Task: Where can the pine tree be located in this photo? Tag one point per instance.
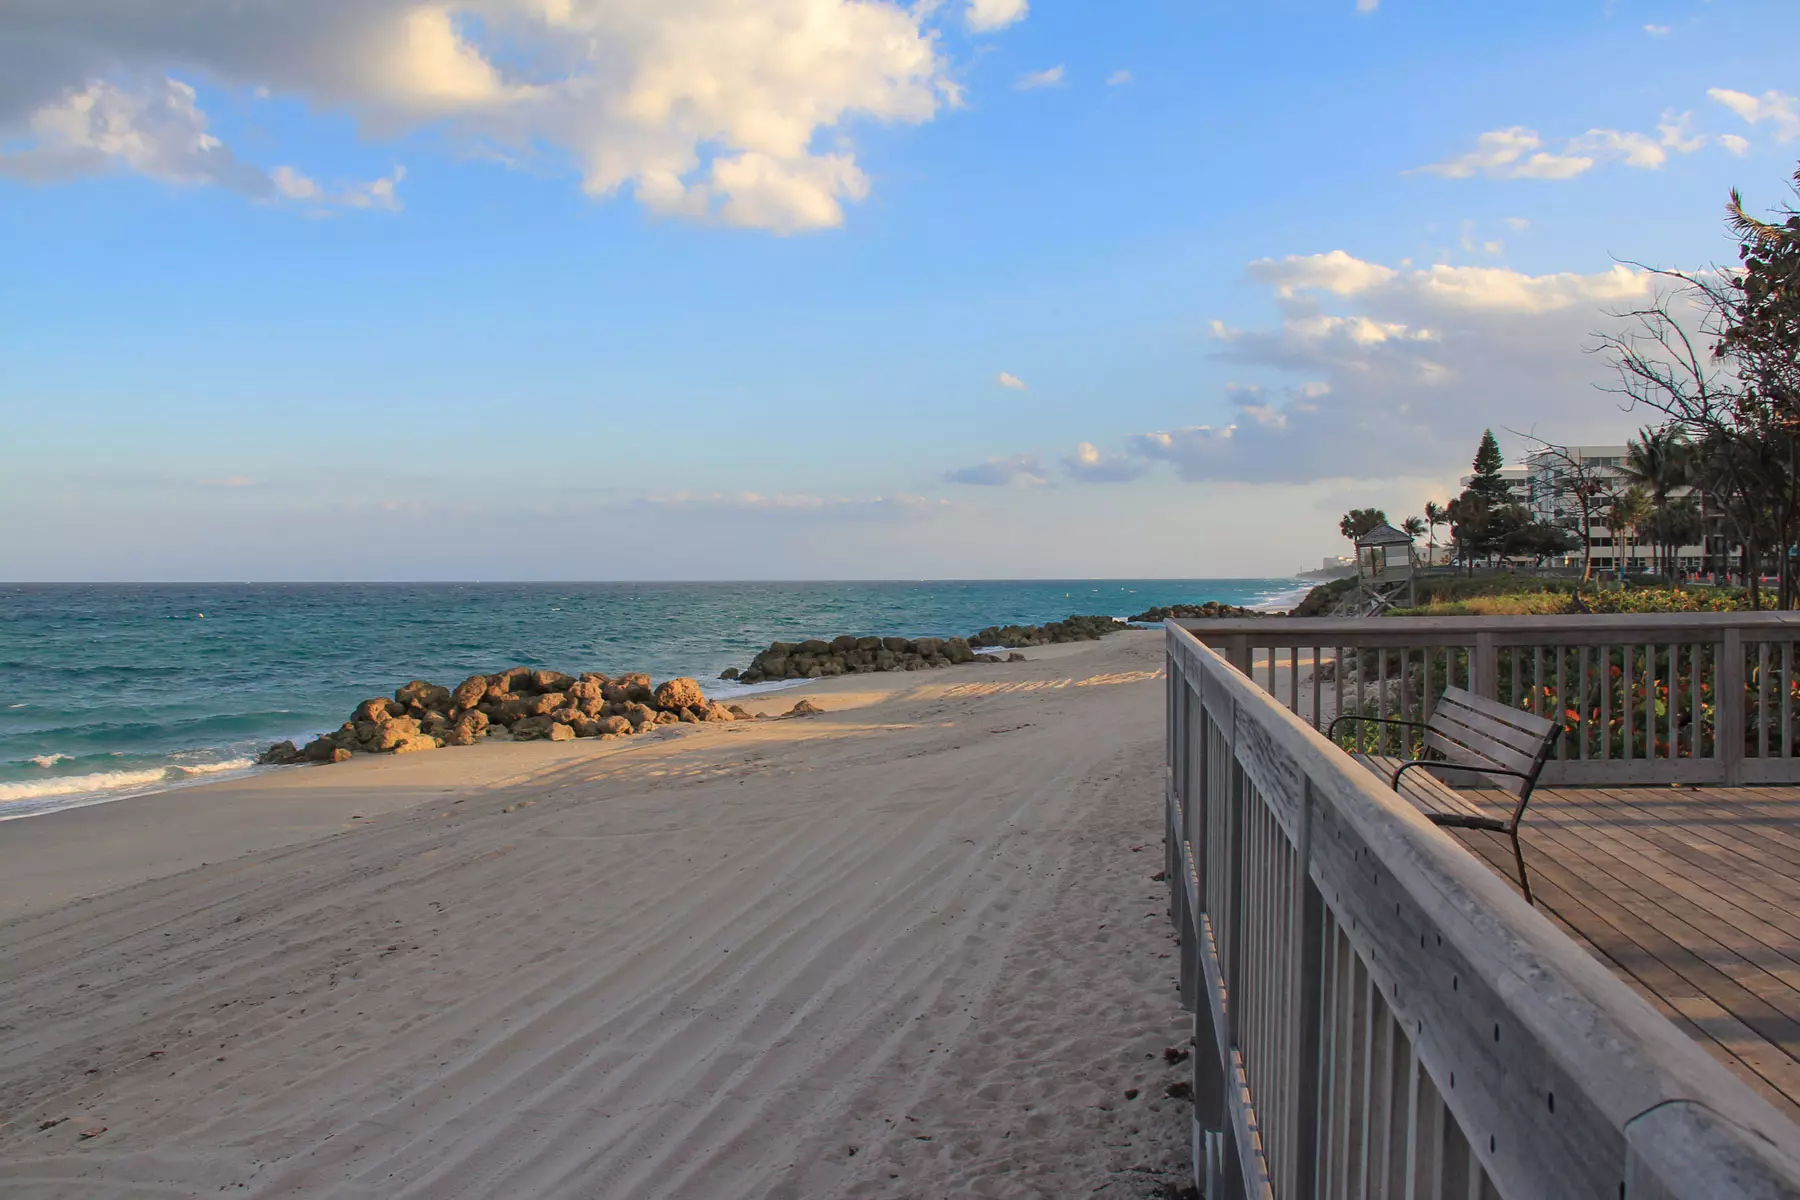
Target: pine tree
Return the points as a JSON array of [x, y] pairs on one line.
[[1487, 482]]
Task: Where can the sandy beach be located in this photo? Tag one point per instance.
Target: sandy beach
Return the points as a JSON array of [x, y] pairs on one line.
[[910, 948]]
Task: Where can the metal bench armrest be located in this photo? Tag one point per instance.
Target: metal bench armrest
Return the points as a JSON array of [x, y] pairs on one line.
[[1331, 729]]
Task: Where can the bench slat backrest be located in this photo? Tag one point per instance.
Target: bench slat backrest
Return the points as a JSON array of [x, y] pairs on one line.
[[1472, 729]]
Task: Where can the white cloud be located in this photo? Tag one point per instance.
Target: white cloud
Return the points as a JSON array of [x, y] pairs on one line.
[[157, 130], [1336, 272], [381, 193], [1516, 223], [1657, 30], [1515, 153], [1018, 470], [1735, 144], [1118, 78], [1521, 153], [1048, 77], [1633, 149], [1402, 369], [1677, 133], [1367, 6], [984, 16], [1089, 464], [1777, 108], [1007, 379], [709, 109]]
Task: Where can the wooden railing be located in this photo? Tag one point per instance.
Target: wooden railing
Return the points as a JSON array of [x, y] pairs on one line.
[[1377, 1014], [1668, 698]]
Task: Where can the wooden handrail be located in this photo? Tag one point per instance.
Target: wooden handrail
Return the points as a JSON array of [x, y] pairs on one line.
[[1370, 1000], [1726, 707]]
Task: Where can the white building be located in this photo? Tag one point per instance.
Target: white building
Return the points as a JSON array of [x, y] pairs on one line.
[[1549, 494]]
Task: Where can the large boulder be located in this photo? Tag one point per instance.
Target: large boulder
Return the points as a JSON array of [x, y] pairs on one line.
[[843, 644], [515, 709], [551, 681], [546, 703], [281, 754], [420, 695], [469, 692], [587, 695], [390, 736], [729, 673], [377, 708], [679, 693], [805, 708], [560, 732], [957, 650], [415, 742], [639, 715], [530, 729], [617, 726]]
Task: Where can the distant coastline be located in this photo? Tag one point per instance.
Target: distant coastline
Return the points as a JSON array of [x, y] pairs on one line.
[[123, 690]]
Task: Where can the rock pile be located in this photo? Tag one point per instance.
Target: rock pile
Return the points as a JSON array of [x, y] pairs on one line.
[[852, 655], [1212, 610], [1069, 629], [520, 704]]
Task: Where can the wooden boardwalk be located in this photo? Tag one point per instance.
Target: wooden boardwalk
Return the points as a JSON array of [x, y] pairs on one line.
[[1692, 896]]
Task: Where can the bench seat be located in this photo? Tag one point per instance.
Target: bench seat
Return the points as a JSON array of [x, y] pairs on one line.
[[1468, 738]]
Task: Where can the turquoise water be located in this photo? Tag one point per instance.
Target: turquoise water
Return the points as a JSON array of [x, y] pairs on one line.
[[113, 690]]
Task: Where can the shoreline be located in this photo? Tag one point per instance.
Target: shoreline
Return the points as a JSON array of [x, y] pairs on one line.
[[148, 772], [911, 946]]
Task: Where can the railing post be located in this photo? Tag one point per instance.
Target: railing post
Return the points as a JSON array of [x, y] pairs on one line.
[[1484, 668], [1728, 707], [1237, 649], [1309, 1008]]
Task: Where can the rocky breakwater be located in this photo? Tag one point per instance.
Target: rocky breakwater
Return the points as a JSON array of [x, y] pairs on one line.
[[519, 704], [1212, 610], [853, 655]]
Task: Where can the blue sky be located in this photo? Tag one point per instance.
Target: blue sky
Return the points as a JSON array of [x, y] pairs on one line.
[[689, 289]]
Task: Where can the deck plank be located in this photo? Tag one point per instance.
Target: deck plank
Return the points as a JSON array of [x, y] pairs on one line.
[[1692, 896]]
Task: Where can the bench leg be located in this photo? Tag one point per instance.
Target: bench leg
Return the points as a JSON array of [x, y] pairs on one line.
[[1519, 856]]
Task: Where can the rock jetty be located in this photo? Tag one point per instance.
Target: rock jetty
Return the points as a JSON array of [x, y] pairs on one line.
[[853, 655], [1212, 610], [520, 704]]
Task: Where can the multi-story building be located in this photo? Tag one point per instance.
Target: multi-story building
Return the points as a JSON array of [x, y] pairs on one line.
[[1550, 495]]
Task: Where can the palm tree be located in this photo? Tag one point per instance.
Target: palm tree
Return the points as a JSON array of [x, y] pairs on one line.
[[1658, 462], [1414, 528], [1435, 515], [1627, 513]]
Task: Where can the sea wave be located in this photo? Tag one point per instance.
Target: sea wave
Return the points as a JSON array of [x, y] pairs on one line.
[[49, 760], [103, 782], [1280, 602]]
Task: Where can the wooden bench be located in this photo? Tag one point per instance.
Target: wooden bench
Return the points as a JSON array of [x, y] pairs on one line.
[[1468, 733]]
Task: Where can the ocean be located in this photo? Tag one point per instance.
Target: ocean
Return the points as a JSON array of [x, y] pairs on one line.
[[113, 690]]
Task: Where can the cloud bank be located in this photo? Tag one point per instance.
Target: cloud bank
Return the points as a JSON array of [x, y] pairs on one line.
[[708, 109]]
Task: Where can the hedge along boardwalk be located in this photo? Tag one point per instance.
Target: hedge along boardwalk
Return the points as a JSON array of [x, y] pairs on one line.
[[920, 927], [1691, 895]]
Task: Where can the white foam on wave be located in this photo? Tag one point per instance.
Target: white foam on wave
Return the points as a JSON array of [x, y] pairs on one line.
[[1282, 601], [102, 782], [48, 760]]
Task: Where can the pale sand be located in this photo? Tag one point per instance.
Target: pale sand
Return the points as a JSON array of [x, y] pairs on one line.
[[911, 948]]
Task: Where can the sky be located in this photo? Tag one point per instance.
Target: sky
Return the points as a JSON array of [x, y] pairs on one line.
[[719, 289]]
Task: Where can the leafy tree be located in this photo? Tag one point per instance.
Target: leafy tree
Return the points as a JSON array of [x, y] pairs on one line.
[[1718, 353], [1468, 515], [1539, 540], [1359, 521]]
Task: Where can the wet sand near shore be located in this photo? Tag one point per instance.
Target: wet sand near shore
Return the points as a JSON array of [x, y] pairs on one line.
[[909, 948]]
